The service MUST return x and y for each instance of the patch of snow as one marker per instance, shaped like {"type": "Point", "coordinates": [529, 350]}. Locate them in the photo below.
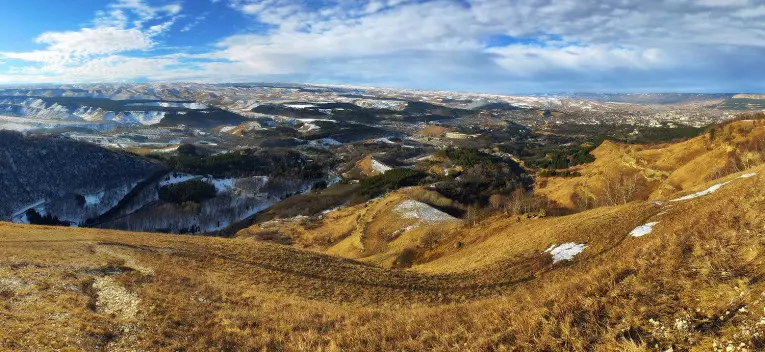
{"type": "Point", "coordinates": [314, 120]}
{"type": "Point", "coordinates": [164, 104]}
{"type": "Point", "coordinates": [643, 230]}
{"type": "Point", "coordinates": [334, 180]}
{"type": "Point", "coordinates": [39, 206]}
{"type": "Point", "coordinates": [221, 184]}
{"type": "Point", "coordinates": [94, 199]}
{"type": "Point", "coordinates": [412, 209]}
{"type": "Point", "coordinates": [705, 192]}
{"type": "Point", "coordinates": [177, 178]}
{"type": "Point", "coordinates": [384, 141]}
{"type": "Point", "coordinates": [565, 251]}
{"type": "Point", "coordinates": [227, 129]}
{"type": "Point", "coordinates": [307, 127]}
{"type": "Point", "coordinates": [300, 106]}
{"type": "Point", "coordinates": [411, 227]}
{"type": "Point", "coordinates": [328, 142]}
{"type": "Point", "coordinates": [711, 190]}
{"type": "Point", "coordinates": [380, 167]}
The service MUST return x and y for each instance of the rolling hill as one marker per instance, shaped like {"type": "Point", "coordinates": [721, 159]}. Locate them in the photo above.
{"type": "Point", "coordinates": [679, 269]}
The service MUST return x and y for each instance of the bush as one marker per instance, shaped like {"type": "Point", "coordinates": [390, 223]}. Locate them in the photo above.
{"type": "Point", "coordinates": [36, 219]}
{"type": "Point", "coordinates": [391, 180]}
{"type": "Point", "coordinates": [187, 149]}
{"type": "Point", "coordinates": [406, 258]}
{"type": "Point", "coordinates": [481, 181]}
{"type": "Point", "coordinates": [466, 157]}
{"type": "Point", "coordinates": [431, 198]}
{"type": "Point", "coordinates": [555, 173]}
{"type": "Point", "coordinates": [319, 185]}
{"type": "Point", "coordinates": [285, 163]}
{"type": "Point", "coordinates": [190, 191]}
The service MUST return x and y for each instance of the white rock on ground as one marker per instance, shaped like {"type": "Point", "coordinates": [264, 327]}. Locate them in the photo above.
{"type": "Point", "coordinates": [565, 251]}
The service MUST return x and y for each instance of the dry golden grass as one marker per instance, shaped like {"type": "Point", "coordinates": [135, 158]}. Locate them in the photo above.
{"type": "Point", "coordinates": [694, 283]}
{"type": "Point", "coordinates": [664, 169]}
{"type": "Point", "coordinates": [434, 131]}
{"type": "Point", "coordinates": [372, 232]}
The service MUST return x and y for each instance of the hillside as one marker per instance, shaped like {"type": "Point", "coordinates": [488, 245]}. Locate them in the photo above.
{"type": "Point", "coordinates": [69, 180]}
{"type": "Point", "coordinates": [626, 172]}
{"type": "Point", "coordinates": [673, 263]}
{"type": "Point", "coordinates": [386, 231]}
{"type": "Point", "coordinates": [690, 282]}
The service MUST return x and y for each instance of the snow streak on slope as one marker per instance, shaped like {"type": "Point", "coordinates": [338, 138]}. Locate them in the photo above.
{"type": "Point", "coordinates": [711, 190]}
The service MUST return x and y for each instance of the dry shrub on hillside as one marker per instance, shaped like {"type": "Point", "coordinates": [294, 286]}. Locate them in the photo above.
{"type": "Point", "coordinates": [430, 239]}
{"type": "Point", "coordinates": [621, 187]}
{"type": "Point", "coordinates": [432, 198]}
{"type": "Point", "coordinates": [273, 236]}
{"type": "Point", "coordinates": [744, 154]}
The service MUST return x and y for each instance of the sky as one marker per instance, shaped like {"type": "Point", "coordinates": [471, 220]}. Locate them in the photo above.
{"type": "Point", "coordinates": [497, 46]}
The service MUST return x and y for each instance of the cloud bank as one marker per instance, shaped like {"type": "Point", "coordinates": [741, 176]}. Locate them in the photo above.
{"type": "Point", "coordinates": [475, 45]}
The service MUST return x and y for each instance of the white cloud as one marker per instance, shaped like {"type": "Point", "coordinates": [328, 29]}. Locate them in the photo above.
{"type": "Point", "coordinates": [436, 43]}
{"type": "Point", "coordinates": [91, 51]}
{"type": "Point", "coordinates": [525, 60]}
{"type": "Point", "coordinates": [146, 12]}
{"type": "Point", "coordinates": [95, 41]}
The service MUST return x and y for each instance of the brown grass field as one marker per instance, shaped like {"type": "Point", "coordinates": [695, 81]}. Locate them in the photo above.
{"type": "Point", "coordinates": [694, 283]}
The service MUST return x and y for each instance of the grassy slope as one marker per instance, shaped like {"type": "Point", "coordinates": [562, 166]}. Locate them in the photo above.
{"type": "Point", "coordinates": [372, 232]}
{"type": "Point", "coordinates": [693, 283]}
{"type": "Point", "coordinates": [667, 168]}
{"type": "Point", "coordinates": [692, 276]}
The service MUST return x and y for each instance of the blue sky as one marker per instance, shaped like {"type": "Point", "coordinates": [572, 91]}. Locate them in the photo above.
{"type": "Point", "coordinates": [501, 46]}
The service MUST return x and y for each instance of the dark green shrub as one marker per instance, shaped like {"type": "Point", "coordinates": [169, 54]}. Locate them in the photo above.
{"type": "Point", "coordinates": [189, 191]}
{"type": "Point", "coordinates": [36, 218]}
{"type": "Point", "coordinates": [391, 180]}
